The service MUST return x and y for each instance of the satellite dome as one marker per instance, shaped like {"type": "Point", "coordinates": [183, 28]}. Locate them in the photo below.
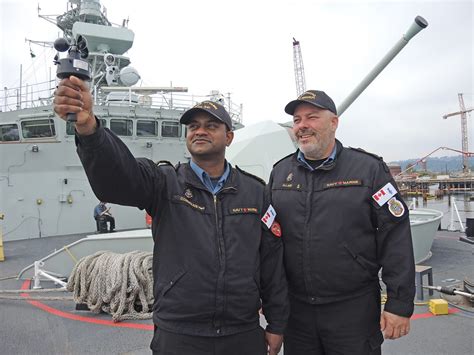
{"type": "Point", "coordinates": [129, 76]}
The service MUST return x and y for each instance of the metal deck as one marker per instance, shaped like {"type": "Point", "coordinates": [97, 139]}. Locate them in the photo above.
{"type": "Point", "coordinates": [55, 327]}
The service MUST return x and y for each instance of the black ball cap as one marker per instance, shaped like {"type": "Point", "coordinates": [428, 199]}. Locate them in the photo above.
{"type": "Point", "coordinates": [213, 108]}
{"type": "Point", "coordinates": [314, 97]}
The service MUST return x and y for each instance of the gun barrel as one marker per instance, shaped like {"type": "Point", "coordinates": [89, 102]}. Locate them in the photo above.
{"type": "Point", "coordinates": [418, 24]}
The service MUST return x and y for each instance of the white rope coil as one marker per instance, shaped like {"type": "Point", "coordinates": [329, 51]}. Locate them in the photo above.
{"type": "Point", "coordinates": [114, 283]}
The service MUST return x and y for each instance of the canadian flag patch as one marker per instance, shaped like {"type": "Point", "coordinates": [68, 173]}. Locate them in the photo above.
{"type": "Point", "coordinates": [269, 216]}
{"type": "Point", "coordinates": [384, 194]}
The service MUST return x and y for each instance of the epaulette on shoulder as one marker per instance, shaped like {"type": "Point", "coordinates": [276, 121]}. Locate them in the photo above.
{"type": "Point", "coordinates": [287, 156]}
{"type": "Point", "coordinates": [368, 153]}
{"type": "Point", "coordinates": [251, 175]}
{"type": "Point", "coordinates": [163, 162]}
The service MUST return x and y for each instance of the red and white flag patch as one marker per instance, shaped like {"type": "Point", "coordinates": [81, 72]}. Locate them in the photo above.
{"type": "Point", "coordinates": [384, 194]}
{"type": "Point", "coordinates": [269, 216]}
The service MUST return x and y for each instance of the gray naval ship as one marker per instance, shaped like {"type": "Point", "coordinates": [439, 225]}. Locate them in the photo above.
{"type": "Point", "coordinates": [43, 188]}
{"type": "Point", "coordinates": [44, 192]}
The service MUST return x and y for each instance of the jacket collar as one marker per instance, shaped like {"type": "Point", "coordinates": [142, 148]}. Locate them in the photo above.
{"type": "Point", "coordinates": [190, 178]}
{"type": "Point", "coordinates": [325, 166]}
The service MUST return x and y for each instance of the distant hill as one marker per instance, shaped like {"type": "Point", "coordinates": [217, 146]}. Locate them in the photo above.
{"type": "Point", "coordinates": [438, 165]}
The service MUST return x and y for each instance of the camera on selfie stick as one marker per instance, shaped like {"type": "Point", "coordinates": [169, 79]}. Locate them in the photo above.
{"type": "Point", "coordinates": [73, 64]}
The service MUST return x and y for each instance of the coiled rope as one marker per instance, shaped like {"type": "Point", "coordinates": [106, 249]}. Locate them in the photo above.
{"type": "Point", "coordinates": [118, 284]}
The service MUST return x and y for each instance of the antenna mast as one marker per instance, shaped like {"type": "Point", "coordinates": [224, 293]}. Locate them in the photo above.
{"type": "Point", "coordinates": [299, 68]}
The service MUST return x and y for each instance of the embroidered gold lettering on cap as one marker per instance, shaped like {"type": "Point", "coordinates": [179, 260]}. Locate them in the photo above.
{"type": "Point", "coordinates": [308, 95]}
{"type": "Point", "coordinates": [188, 193]}
{"type": "Point", "coordinates": [207, 105]}
{"type": "Point", "coordinates": [354, 182]}
{"type": "Point", "coordinates": [396, 207]}
{"type": "Point", "coordinates": [289, 177]}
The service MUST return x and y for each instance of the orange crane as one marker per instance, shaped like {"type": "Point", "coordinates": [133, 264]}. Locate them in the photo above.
{"type": "Point", "coordinates": [423, 160]}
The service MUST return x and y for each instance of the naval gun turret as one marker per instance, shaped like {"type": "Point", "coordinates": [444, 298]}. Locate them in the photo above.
{"type": "Point", "coordinates": [277, 143]}
{"type": "Point", "coordinates": [418, 24]}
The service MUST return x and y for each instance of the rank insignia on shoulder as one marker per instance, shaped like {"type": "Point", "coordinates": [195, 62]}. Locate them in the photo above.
{"type": "Point", "coordinates": [276, 229]}
{"type": "Point", "coordinates": [396, 207]}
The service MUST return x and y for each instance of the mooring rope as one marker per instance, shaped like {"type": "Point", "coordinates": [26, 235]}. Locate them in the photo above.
{"type": "Point", "coordinates": [118, 284]}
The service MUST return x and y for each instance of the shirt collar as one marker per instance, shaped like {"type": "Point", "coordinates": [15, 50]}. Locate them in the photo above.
{"type": "Point", "coordinates": [206, 179]}
{"type": "Point", "coordinates": [300, 157]}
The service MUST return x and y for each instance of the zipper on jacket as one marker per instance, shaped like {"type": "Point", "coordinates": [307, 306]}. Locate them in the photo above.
{"type": "Point", "coordinates": [220, 277]}
{"type": "Point", "coordinates": [220, 287]}
{"type": "Point", "coordinates": [219, 249]}
{"type": "Point", "coordinates": [307, 240]}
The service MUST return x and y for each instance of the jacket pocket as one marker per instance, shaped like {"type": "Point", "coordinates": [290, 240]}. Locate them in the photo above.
{"type": "Point", "coordinates": [172, 282]}
{"type": "Point", "coordinates": [370, 267]}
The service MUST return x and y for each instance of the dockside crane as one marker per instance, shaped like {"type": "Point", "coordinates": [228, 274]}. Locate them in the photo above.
{"type": "Point", "coordinates": [299, 68]}
{"type": "Point", "coordinates": [464, 136]}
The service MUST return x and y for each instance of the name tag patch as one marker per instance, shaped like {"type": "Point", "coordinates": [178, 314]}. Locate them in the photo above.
{"type": "Point", "coordinates": [384, 194]}
{"type": "Point", "coordinates": [189, 203]}
{"type": "Point", "coordinates": [240, 210]}
{"type": "Point", "coordinates": [352, 182]}
{"type": "Point", "coordinates": [269, 216]}
{"type": "Point", "coordinates": [291, 186]}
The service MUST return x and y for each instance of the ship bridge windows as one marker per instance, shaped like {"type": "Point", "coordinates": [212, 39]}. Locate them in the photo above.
{"type": "Point", "coordinates": [147, 128]}
{"type": "Point", "coordinates": [121, 127]}
{"type": "Point", "coordinates": [171, 129]}
{"type": "Point", "coordinates": [38, 128]}
{"type": "Point", "coordinates": [70, 129]}
{"type": "Point", "coordinates": [9, 132]}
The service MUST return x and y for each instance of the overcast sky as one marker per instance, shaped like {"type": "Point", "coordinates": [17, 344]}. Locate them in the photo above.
{"type": "Point", "coordinates": [245, 47]}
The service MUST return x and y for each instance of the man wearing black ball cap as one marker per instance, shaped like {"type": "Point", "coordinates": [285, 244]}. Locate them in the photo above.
{"type": "Point", "coordinates": [342, 220]}
{"type": "Point", "coordinates": [217, 256]}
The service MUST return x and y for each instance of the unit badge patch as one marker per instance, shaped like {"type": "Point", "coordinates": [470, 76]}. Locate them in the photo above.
{"type": "Point", "coordinates": [276, 229]}
{"type": "Point", "coordinates": [396, 207]}
{"type": "Point", "coordinates": [289, 177]}
{"type": "Point", "coordinates": [188, 193]}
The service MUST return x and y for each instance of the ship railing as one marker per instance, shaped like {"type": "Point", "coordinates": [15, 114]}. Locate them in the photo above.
{"type": "Point", "coordinates": [27, 96]}
{"type": "Point", "coordinates": [42, 94]}
{"type": "Point", "coordinates": [179, 101]}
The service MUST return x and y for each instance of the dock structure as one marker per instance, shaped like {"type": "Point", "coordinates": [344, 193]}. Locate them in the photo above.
{"type": "Point", "coordinates": [446, 185]}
